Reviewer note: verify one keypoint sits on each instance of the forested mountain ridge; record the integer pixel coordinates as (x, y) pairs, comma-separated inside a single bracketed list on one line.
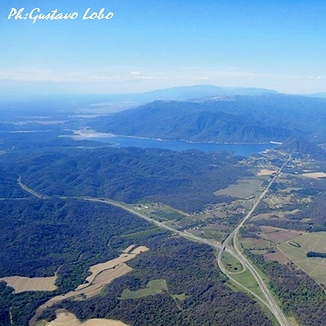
[(191, 121), (42, 234), (305, 147), (131, 174), (230, 119)]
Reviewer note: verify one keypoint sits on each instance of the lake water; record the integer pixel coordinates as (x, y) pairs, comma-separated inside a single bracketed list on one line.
[(238, 149)]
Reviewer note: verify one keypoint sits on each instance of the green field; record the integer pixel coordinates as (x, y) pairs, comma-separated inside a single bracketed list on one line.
[(153, 287), (231, 263), (164, 213), (213, 234), (314, 267), (257, 246), (179, 297), (243, 189), (246, 279), (243, 276), (41, 323)]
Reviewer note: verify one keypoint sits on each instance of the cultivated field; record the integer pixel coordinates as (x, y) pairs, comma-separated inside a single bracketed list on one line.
[(22, 284), (101, 279), (264, 172), (256, 244), (127, 250), (243, 189), (65, 318), (111, 265), (102, 274), (153, 287), (278, 235), (277, 255), (139, 250), (296, 251), (314, 175)]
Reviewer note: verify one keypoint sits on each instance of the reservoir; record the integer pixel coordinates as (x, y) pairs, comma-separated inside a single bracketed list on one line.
[(179, 145)]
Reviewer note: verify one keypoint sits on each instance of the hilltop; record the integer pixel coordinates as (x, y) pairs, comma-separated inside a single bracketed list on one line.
[(305, 147), (257, 118)]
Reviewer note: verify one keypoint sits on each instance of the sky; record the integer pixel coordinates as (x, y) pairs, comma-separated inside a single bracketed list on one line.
[(154, 44)]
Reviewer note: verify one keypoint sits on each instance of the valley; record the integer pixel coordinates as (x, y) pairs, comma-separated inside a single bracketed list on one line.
[(225, 233), (178, 222)]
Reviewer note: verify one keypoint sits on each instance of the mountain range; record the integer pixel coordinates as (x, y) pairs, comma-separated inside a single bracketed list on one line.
[(254, 116)]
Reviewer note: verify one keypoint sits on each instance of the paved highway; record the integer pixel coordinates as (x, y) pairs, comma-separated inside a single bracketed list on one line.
[(270, 302), (233, 236)]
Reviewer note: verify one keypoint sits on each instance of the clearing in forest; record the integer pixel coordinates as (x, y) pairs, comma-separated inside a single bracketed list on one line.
[(112, 264), (22, 284), (265, 172), (153, 287), (102, 274), (65, 318), (314, 175)]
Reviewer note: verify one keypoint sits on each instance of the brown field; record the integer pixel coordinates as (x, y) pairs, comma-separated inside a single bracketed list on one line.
[(102, 274), (65, 318), (22, 284), (111, 264), (126, 251), (139, 250), (264, 172), (314, 175), (88, 290), (111, 274), (277, 256), (255, 244), (101, 279), (278, 235)]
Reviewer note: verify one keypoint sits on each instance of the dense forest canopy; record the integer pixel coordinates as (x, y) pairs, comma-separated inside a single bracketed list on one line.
[(131, 174)]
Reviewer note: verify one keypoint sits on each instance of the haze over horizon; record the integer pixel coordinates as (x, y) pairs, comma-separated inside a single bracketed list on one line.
[(149, 45)]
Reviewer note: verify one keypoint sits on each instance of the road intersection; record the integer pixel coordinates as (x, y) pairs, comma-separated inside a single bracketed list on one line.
[(227, 246)]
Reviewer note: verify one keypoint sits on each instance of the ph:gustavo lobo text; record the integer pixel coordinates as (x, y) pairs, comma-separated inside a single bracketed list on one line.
[(36, 14)]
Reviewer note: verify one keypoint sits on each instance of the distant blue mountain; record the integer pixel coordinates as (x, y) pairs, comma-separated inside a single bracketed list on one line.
[(116, 102), (197, 92), (231, 119), (203, 113), (321, 95)]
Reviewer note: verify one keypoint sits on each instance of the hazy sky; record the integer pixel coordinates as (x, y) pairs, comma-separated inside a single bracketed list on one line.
[(150, 44)]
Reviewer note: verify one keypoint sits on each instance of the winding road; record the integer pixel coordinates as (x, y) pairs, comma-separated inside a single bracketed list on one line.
[(235, 251)]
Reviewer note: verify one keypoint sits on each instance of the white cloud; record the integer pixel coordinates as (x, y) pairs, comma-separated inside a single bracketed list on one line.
[(136, 80), (39, 75), (139, 75)]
